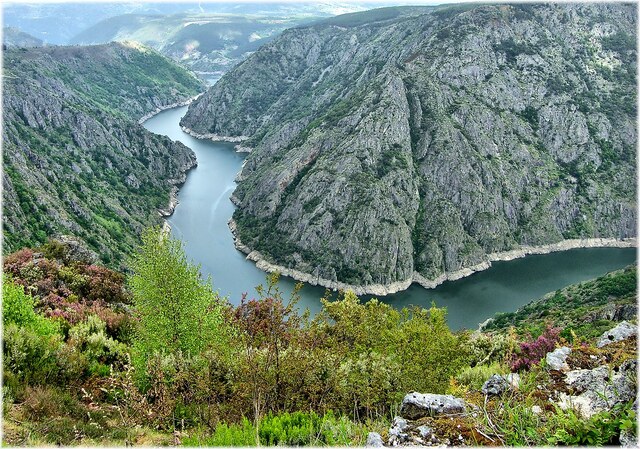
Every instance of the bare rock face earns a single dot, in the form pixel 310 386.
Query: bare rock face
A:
pixel 600 389
pixel 419 143
pixel 418 405
pixel 557 359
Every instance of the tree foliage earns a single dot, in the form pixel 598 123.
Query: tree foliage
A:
pixel 176 309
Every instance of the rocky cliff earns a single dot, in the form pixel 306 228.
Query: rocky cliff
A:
pixel 405 143
pixel 75 159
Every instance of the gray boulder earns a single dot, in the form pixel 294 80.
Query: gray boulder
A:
pixel 621 332
pixel 418 405
pixel 599 389
pixel 495 386
pixel 557 359
pixel 398 432
pixel 374 440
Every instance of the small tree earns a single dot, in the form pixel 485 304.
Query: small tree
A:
pixel 177 311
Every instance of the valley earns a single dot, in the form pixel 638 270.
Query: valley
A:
pixel 319 224
pixel 201 219
pixel 387 149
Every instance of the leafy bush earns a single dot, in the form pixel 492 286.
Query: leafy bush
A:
pixel 91 340
pixel 490 348
pixel 30 356
pixel 474 377
pixel 177 311
pixel 17 308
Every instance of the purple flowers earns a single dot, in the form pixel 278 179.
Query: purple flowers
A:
pixel 531 352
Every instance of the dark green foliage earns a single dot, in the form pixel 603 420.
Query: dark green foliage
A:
pixel 620 42
pixel 392 159
pixel 512 49
pixel 530 114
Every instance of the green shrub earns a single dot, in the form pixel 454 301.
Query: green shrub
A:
pixel 90 339
pixel 226 435
pixel 309 429
pixel 474 377
pixel 178 311
pixel 30 356
pixel 17 308
pixel 601 429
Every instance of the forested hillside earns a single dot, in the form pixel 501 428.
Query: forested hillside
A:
pixel 75 160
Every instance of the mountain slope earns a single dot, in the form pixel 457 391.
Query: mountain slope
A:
pixel 75 159
pixel 587 309
pixel 13 37
pixel 416 143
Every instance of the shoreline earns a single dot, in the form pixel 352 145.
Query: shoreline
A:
pixel 398 286
pixel 218 138
pixel 175 183
pixel 159 109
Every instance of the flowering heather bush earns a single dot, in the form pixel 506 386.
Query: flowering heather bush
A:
pixel 71 290
pixel 531 352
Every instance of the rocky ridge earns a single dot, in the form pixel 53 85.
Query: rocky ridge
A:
pixel 419 146
pixel 75 160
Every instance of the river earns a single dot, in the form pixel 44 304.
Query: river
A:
pixel 200 221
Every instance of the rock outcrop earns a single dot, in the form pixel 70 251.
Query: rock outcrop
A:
pixel 620 332
pixel 415 144
pixel 418 405
pixel 557 359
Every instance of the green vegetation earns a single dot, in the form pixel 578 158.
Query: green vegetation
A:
pixel 176 311
pixel 583 310
pixel 205 372
pixel 17 309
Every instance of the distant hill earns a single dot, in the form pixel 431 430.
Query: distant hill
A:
pixel 13 37
pixel 57 23
pixel 75 160
pixel 203 42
